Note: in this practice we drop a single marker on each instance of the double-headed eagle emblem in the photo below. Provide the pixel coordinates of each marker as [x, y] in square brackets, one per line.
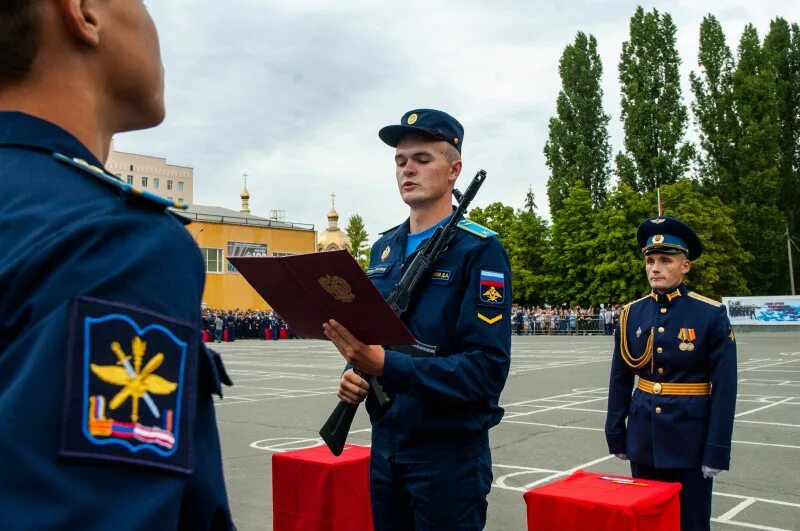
[337, 287]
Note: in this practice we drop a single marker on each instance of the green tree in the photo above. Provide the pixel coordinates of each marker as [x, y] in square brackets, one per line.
[577, 148]
[653, 114]
[782, 47]
[358, 240]
[529, 248]
[756, 194]
[719, 271]
[619, 268]
[571, 259]
[714, 111]
[497, 217]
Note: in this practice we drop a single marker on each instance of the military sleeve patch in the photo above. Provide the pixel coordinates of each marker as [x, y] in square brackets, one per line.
[492, 288]
[731, 335]
[490, 320]
[129, 387]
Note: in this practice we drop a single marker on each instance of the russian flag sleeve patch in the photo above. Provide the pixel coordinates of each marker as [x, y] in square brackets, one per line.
[492, 288]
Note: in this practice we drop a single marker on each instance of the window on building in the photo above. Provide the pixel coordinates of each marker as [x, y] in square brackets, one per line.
[213, 259]
[144, 182]
[130, 179]
[180, 200]
[170, 198]
[131, 168]
[169, 184]
[156, 182]
[180, 186]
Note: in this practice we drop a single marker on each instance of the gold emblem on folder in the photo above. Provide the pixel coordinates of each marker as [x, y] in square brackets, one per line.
[337, 287]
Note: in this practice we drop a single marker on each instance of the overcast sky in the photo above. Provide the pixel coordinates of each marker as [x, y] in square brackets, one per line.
[294, 92]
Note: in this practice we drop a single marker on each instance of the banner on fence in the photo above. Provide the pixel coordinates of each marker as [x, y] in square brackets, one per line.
[772, 310]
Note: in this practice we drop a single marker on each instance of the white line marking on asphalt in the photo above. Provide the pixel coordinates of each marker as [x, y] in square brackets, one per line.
[752, 526]
[567, 472]
[770, 423]
[736, 510]
[765, 500]
[550, 425]
[768, 444]
[764, 407]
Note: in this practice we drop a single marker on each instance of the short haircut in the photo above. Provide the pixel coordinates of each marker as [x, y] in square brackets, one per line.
[451, 154]
[19, 38]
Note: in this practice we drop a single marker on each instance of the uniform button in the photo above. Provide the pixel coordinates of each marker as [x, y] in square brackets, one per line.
[660, 329]
[658, 410]
[659, 350]
[661, 370]
[663, 310]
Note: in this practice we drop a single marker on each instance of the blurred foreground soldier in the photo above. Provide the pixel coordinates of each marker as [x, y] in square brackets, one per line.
[431, 466]
[682, 347]
[105, 387]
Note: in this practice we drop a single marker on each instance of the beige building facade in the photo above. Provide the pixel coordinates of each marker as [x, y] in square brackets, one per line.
[153, 174]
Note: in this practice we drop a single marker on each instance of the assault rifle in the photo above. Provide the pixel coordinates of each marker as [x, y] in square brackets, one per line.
[334, 431]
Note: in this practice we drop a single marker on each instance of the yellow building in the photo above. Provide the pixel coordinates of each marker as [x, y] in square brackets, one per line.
[221, 232]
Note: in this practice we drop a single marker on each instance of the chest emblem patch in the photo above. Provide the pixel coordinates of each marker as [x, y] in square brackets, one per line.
[126, 393]
[492, 288]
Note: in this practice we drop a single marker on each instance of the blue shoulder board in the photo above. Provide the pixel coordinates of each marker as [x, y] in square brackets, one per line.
[101, 174]
[474, 228]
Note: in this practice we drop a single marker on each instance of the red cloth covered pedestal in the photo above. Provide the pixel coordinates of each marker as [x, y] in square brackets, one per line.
[284, 333]
[583, 501]
[206, 336]
[267, 334]
[225, 336]
[312, 490]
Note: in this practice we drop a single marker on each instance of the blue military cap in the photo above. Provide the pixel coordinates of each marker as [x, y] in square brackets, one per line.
[665, 234]
[429, 122]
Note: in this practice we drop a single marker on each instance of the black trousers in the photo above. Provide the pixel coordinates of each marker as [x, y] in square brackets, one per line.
[695, 493]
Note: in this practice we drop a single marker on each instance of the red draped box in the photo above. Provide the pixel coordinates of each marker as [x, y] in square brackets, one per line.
[312, 490]
[284, 333]
[584, 501]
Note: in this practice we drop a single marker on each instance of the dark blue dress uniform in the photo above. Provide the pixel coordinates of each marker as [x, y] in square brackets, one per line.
[680, 415]
[430, 448]
[106, 412]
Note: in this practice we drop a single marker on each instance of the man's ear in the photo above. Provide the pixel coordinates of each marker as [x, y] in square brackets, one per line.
[82, 19]
[686, 266]
[456, 169]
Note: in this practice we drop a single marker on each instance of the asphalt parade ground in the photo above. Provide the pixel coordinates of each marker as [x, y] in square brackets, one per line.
[555, 402]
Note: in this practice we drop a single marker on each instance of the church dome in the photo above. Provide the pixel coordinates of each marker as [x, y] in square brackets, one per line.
[333, 238]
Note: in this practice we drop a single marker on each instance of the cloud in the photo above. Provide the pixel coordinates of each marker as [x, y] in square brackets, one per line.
[293, 93]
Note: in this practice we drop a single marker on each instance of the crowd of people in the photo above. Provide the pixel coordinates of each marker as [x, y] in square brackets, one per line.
[230, 325]
[565, 320]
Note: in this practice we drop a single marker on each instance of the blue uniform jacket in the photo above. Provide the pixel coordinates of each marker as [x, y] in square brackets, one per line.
[100, 293]
[675, 431]
[443, 406]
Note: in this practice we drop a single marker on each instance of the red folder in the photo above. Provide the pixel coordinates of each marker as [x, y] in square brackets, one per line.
[309, 289]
